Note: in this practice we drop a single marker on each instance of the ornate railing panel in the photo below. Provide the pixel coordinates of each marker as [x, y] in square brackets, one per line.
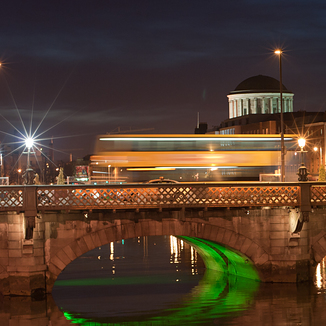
[318, 195]
[11, 198]
[166, 195]
[176, 195]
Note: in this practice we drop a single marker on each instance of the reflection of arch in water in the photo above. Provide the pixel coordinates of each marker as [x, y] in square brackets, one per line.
[221, 290]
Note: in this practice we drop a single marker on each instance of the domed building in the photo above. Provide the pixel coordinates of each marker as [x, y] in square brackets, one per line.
[259, 95]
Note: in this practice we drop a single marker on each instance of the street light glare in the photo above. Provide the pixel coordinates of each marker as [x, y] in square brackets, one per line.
[29, 142]
[301, 142]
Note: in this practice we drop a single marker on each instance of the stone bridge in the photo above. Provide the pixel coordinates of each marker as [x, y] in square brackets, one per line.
[280, 227]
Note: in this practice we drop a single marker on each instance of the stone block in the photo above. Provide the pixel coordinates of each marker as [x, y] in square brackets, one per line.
[207, 231]
[38, 244]
[39, 252]
[102, 237]
[227, 237]
[65, 234]
[158, 228]
[54, 269]
[220, 235]
[278, 235]
[233, 239]
[96, 239]
[213, 232]
[279, 227]
[15, 253]
[294, 251]
[14, 244]
[15, 236]
[239, 243]
[322, 242]
[15, 227]
[278, 242]
[277, 251]
[64, 257]
[82, 245]
[15, 219]
[257, 254]
[38, 235]
[89, 242]
[247, 243]
[165, 227]
[58, 263]
[251, 250]
[28, 250]
[76, 249]
[30, 261]
[264, 258]
[4, 261]
[178, 228]
[4, 252]
[138, 230]
[40, 225]
[145, 227]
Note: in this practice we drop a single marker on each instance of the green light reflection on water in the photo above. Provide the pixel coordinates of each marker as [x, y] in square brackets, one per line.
[221, 258]
[227, 288]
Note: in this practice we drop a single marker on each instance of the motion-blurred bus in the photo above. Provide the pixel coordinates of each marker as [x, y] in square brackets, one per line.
[189, 158]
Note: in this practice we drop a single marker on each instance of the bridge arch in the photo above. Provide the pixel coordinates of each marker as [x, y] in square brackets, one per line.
[318, 246]
[99, 233]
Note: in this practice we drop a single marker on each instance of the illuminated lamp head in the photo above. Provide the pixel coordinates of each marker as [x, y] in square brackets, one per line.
[29, 142]
[301, 142]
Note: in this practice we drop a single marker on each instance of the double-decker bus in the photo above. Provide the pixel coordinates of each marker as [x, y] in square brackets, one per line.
[188, 158]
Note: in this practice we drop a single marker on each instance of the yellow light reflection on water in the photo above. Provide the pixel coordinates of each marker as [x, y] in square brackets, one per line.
[320, 277]
[112, 251]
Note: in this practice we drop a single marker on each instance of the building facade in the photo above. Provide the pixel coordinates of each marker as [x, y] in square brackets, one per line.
[259, 95]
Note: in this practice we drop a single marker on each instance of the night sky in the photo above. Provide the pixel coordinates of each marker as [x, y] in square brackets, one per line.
[142, 64]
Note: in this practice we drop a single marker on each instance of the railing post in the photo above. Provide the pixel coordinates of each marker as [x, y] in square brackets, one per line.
[30, 210]
[305, 201]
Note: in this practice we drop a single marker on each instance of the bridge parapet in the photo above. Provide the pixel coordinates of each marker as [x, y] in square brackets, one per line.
[144, 196]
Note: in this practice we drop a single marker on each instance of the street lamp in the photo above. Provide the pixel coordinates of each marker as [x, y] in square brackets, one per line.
[302, 172]
[279, 53]
[109, 173]
[18, 172]
[29, 173]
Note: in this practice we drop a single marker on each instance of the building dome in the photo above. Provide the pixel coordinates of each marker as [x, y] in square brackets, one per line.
[258, 84]
[259, 95]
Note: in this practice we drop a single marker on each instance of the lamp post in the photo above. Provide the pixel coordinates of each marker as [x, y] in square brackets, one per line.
[279, 53]
[109, 173]
[302, 172]
[18, 172]
[29, 173]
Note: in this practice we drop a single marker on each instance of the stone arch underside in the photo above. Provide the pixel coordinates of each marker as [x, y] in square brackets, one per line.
[100, 233]
[318, 246]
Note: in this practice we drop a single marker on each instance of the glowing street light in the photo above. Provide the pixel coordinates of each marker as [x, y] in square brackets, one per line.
[302, 143]
[279, 53]
[29, 142]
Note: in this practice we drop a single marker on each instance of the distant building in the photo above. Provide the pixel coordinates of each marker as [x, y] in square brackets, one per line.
[254, 108]
[259, 95]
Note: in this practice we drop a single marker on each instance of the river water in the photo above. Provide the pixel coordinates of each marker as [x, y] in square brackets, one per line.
[162, 281]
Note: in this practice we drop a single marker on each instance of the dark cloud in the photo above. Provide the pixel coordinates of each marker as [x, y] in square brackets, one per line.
[98, 65]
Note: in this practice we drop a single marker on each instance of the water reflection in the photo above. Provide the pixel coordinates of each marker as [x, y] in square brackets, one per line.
[216, 296]
[197, 299]
[152, 288]
[320, 280]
